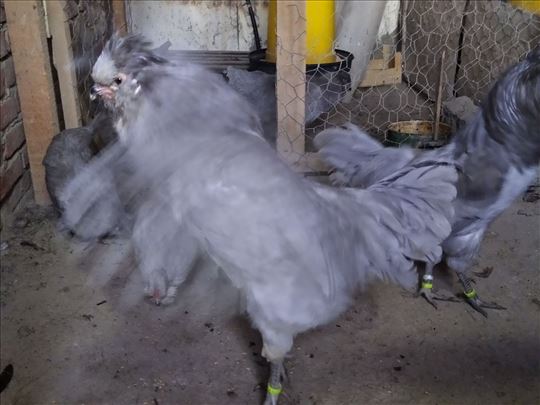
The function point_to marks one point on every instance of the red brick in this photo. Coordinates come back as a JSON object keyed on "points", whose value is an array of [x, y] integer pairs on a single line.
{"points": [[10, 173], [8, 71], [9, 110], [13, 140], [4, 43], [20, 195], [21, 187]]}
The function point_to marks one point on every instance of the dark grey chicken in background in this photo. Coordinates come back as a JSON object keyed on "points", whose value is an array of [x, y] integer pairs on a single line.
{"points": [[259, 89], [498, 151], [67, 155], [297, 250], [323, 92]]}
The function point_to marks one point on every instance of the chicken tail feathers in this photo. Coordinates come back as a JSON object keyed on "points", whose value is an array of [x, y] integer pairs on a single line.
{"points": [[357, 159]]}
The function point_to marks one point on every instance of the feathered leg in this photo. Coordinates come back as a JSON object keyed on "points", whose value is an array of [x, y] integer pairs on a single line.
{"points": [[275, 347], [179, 264], [472, 296], [165, 251]]}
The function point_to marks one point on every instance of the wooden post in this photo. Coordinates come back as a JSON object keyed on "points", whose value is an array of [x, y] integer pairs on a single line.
{"points": [[26, 28], [63, 61], [438, 104], [119, 16], [291, 79]]}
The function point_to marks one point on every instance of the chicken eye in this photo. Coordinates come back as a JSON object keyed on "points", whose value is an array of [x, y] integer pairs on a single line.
{"points": [[117, 81]]}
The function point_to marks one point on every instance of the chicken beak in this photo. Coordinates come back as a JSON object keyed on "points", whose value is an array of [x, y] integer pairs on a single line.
{"points": [[102, 91]]}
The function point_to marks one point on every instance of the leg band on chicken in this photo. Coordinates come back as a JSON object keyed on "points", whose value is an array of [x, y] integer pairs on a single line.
{"points": [[473, 299]]}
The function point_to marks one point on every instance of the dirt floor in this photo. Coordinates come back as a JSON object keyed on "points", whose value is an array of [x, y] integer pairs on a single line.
{"points": [[78, 331]]}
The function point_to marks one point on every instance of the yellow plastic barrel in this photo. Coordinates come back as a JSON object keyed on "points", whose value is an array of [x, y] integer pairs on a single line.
{"points": [[532, 6], [320, 31]]}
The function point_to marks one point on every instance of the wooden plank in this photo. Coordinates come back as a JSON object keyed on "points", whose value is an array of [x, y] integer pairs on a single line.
{"points": [[63, 61], [291, 79], [377, 75], [26, 26], [386, 62], [119, 16], [311, 163]]}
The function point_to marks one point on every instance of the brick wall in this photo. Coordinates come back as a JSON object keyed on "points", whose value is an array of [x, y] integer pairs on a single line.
{"points": [[15, 182]]}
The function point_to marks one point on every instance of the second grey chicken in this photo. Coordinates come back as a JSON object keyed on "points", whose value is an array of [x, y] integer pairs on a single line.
{"points": [[498, 151]]}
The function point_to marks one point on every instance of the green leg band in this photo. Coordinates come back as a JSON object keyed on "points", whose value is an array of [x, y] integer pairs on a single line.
{"points": [[427, 282], [273, 390], [471, 294]]}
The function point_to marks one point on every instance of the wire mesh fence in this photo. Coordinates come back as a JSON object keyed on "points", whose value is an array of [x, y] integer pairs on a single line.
{"points": [[394, 95]]}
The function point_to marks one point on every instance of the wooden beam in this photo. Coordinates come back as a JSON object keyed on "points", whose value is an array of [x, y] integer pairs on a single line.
{"points": [[63, 61], [311, 163], [26, 27], [291, 79], [119, 16]]}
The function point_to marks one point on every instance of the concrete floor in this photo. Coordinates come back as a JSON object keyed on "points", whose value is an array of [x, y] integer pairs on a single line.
{"points": [[78, 331]]}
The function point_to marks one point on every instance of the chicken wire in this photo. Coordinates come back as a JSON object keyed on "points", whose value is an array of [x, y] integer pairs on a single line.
{"points": [[480, 39]]}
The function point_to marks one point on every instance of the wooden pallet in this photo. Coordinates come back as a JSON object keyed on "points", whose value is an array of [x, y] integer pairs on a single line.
{"points": [[386, 70]]}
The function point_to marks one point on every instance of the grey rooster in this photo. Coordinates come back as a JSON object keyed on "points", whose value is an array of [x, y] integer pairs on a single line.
{"points": [[498, 151], [297, 250]]}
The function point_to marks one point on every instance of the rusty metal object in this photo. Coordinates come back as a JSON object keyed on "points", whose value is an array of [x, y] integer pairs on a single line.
{"points": [[418, 134]]}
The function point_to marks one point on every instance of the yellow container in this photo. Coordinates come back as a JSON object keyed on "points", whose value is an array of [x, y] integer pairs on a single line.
{"points": [[320, 31], [532, 6]]}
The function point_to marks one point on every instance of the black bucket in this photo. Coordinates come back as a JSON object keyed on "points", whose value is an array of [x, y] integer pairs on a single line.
{"points": [[257, 61]]}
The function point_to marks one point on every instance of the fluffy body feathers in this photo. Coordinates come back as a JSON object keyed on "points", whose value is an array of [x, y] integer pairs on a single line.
{"points": [[498, 152]]}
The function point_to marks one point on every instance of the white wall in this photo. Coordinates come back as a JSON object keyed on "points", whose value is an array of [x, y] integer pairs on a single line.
{"points": [[198, 25]]}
